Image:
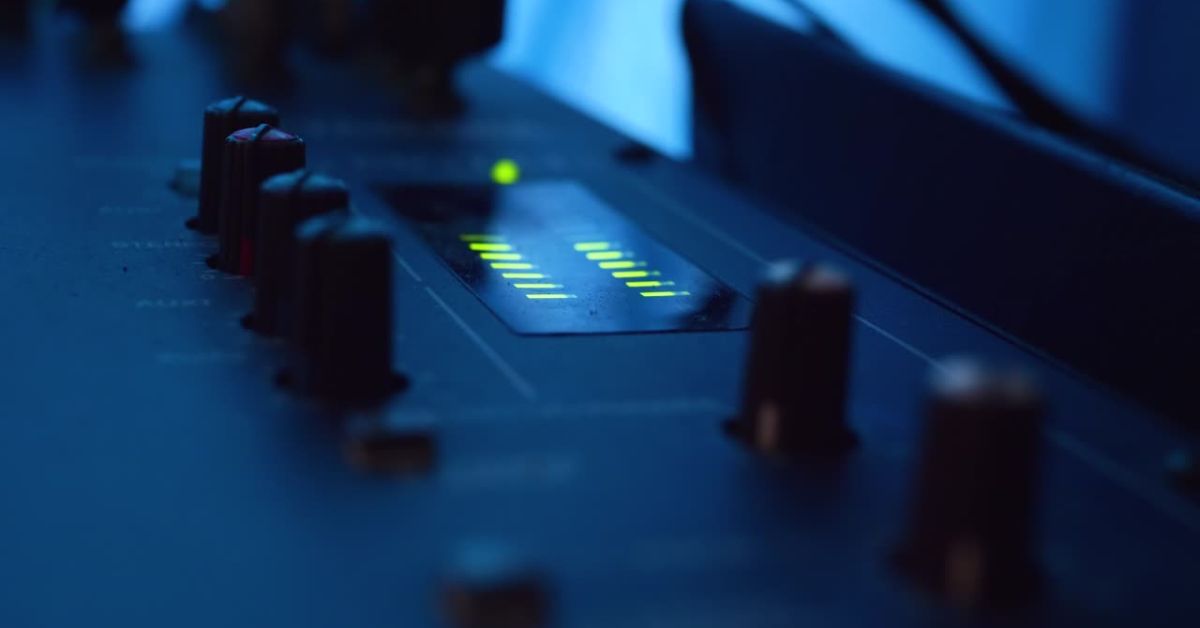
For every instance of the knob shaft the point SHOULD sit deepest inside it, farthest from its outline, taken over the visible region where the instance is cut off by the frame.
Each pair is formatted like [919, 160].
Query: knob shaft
[285, 201]
[969, 535]
[343, 330]
[251, 156]
[794, 395]
[220, 120]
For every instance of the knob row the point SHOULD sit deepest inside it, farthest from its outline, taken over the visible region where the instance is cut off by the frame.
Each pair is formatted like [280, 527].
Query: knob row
[969, 536]
[322, 275]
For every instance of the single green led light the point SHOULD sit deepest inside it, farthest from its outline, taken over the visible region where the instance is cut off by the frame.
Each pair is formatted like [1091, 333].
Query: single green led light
[592, 246]
[523, 276]
[664, 293]
[537, 296]
[599, 255]
[512, 257]
[630, 274]
[537, 286]
[620, 264]
[512, 266]
[505, 172]
[648, 284]
[489, 246]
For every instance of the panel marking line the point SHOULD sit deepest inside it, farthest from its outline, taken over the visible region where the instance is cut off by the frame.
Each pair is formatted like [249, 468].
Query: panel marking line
[520, 383]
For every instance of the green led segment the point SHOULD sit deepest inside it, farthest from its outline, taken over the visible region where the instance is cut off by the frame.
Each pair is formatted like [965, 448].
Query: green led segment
[480, 237]
[548, 295]
[648, 284]
[632, 274]
[664, 293]
[512, 266]
[489, 246]
[592, 246]
[512, 257]
[505, 172]
[620, 264]
[523, 276]
[537, 286]
[602, 255]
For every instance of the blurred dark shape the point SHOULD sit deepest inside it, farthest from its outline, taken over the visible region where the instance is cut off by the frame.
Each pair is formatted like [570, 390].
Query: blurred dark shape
[490, 587]
[971, 526]
[104, 41]
[14, 18]
[259, 33]
[794, 393]
[428, 38]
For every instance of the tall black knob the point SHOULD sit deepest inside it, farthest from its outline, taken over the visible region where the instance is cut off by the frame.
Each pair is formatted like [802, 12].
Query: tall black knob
[969, 535]
[343, 328]
[284, 202]
[794, 394]
[220, 119]
[251, 157]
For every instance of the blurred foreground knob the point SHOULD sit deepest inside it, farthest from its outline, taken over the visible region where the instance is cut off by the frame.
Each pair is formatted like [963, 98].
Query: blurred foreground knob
[794, 395]
[490, 587]
[969, 535]
[221, 119]
[343, 328]
[251, 157]
[285, 201]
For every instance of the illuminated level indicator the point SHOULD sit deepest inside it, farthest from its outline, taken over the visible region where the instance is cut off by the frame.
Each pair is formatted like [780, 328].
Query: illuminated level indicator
[648, 284]
[592, 246]
[523, 276]
[480, 237]
[634, 274]
[537, 286]
[512, 257]
[541, 296]
[621, 264]
[505, 172]
[664, 293]
[599, 255]
[512, 266]
[490, 246]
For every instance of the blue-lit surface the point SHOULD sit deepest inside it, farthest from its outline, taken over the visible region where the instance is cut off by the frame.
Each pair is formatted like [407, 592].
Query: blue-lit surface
[551, 258]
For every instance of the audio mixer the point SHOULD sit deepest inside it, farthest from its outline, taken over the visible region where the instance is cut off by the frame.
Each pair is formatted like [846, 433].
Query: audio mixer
[313, 357]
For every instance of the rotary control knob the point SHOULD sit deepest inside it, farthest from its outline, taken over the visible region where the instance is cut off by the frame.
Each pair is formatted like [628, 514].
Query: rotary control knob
[285, 201]
[251, 157]
[969, 534]
[794, 395]
[221, 119]
[343, 327]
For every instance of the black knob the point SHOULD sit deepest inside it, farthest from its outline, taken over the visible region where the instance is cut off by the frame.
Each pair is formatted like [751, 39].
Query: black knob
[251, 157]
[343, 327]
[284, 202]
[794, 394]
[969, 534]
[490, 586]
[220, 119]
